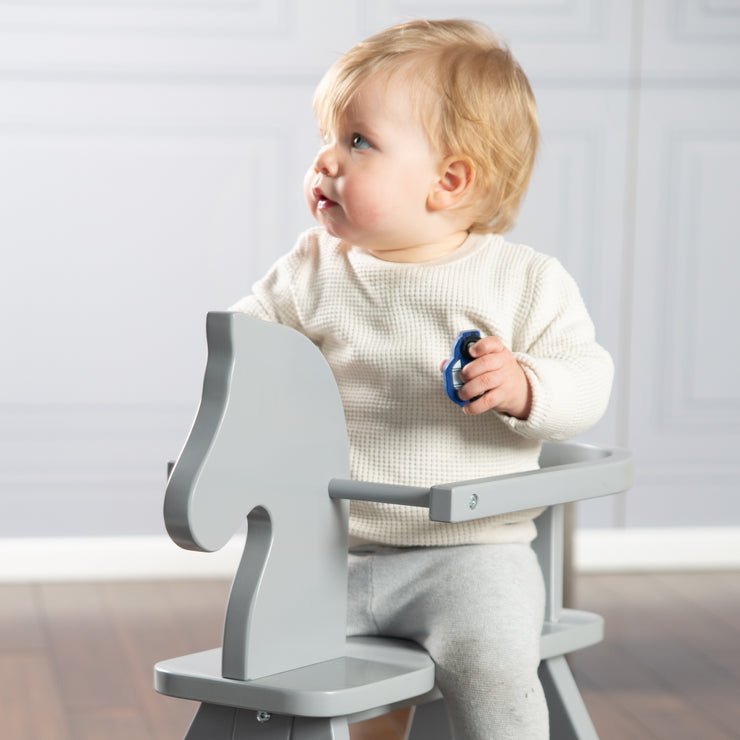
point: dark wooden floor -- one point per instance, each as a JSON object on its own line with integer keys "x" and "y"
{"x": 76, "y": 659}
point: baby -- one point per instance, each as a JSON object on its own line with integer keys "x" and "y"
{"x": 428, "y": 138}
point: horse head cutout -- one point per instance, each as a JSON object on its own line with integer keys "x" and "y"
{"x": 268, "y": 437}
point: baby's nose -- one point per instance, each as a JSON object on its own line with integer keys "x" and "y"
{"x": 325, "y": 162}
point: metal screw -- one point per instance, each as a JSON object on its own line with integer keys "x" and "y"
{"x": 263, "y": 717}
{"x": 473, "y": 501}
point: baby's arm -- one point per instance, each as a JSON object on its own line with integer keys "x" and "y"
{"x": 554, "y": 381}
{"x": 273, "y": 297}
{"x": 495, "y": 380}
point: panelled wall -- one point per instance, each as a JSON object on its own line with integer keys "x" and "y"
{"x": 151, "y": 160}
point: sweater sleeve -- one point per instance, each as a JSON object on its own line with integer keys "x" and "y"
{"x": 273, "y": 297}
{"x": 570, "y": 374}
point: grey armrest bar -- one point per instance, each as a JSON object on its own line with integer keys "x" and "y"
{"x": 609, "y": 472}
{"x": 559, "y": 484}
{"x": 382, "y": 493}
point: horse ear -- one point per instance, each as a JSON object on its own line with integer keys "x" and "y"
{"x": 266, "y": 441}
{"x": 182, "y": 518}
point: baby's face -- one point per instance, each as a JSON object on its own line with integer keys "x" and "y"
{"x": 371, "y": 179}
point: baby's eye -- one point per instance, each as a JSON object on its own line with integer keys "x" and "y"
{"x": 360, "y": 142}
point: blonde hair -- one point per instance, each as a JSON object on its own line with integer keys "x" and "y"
{"x": 471, "y": 95}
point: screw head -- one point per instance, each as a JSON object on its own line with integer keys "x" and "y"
{"x": 263, "y": 717}
{"x": 473, "y": 502}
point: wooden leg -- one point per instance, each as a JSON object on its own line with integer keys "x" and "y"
{"x": 215, "y": 722}
{"x": 212, "y": 721}
{"x": 392, "y": 726}
{"x": 569, "y": 719}
{"x": 331, "y": 728}
{"x": 569, "y": 515}
{"x": 430, "y": 722}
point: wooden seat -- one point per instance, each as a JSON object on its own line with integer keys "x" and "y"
{"x": 269, "y": 444}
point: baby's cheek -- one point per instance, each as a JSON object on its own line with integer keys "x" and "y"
{"x": 374, "y": 208}
{"x": 307, "y": 187}
{"x": 363, "y": 213}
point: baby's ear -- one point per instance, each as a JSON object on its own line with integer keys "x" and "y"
{"x": 453, "y": 184}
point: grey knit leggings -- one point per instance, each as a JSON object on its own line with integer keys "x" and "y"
{"x": 478, "y": 611}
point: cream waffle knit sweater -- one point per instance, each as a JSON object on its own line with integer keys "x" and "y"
{"x": 384, "y": 328}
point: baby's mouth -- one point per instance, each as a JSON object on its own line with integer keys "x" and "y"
{"x": 322, "y": 202}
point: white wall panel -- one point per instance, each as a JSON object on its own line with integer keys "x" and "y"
{"x": 575, "y": 210}
{"x": 575, "y": 206}
{"x": 129, "y": 211}
{"x": 72, "y": 470}
{"x": 151, "y": 160}
{"x": 201, "y": 39}
{"x": 691, "y": 40}
{"x": 685, "y": 404}
{"x": 553, "y": 39}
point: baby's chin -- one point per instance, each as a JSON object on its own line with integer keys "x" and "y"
{"x": 323, "y": 219}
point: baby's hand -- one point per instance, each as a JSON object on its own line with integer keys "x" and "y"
{"x": 495, "y": 380}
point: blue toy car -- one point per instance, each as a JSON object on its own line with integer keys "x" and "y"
{"x": 459, "y": 358}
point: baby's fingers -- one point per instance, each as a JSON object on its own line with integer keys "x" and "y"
{"x": 478, "y": 384}
{"x": 487, "y": 345}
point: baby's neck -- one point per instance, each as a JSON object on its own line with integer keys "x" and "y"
{"x": 424, "y": 252}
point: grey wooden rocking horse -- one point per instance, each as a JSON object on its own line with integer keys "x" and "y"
{"x": 269, "y": 444}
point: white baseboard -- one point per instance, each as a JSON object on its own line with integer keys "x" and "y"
{"x": 647, "y": 549}
{"x": 152, "y": 558}
{"x": 112, "y": 558}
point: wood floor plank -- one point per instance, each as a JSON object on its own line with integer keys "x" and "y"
{"x": 711, "y": 608}
{"x": 640, "y": 715}
{"x": 713, "y": 596}
{"x": 654, "y": 638}
{"x": 391, "y": 726}
{"x": 612, "y": 719}
{"x": 21, "y": 626}
{"x": 76, "y": 659}
{"x": 149, "y": 629}
{"x": 638, "y": 700}
{"x": 90, "y": 664}
{"x": 201, "y": 607}
{"x": 678, "y": 650}
{"x": 110, "y": 724}
{"x": 31, "y": 706}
